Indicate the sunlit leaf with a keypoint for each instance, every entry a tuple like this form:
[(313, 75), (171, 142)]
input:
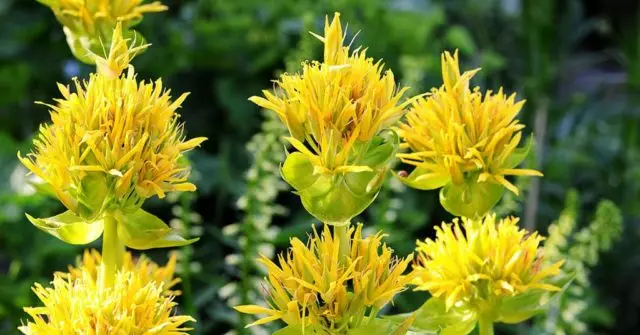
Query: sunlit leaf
[(69, 227), (524, 306), (470, 199), (141, 230)]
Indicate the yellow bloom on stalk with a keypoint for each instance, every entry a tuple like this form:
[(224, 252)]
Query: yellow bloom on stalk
[(311, 288), (465, 141), (88, 24), (337, 111), (479, 264), (113, 142), (146, 270), (133, 306)]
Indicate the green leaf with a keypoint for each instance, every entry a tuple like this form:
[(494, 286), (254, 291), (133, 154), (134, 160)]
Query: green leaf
[(462, 328), (337, 198), (421, 179), (518, 156), (521, 307), (382, 149), (433, 316), (69, 227), (460, 38), (92, 192), (141, 230), (382, 327), (471, 199), (297, 330), (79, 46), (297, 170)]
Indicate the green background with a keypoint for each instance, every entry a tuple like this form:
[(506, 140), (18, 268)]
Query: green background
[(576, 62)]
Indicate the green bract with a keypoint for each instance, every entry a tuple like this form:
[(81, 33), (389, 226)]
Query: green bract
[(471, 199), (336, 198), (433, 317), (372, 327), (137, 230)]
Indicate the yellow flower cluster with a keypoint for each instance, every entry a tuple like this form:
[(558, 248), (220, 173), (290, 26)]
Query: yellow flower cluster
[(476, 263), (88, 24), (458, 135), (135, 305), (311, 287), (337, 106), (145, 269), (113, 142)]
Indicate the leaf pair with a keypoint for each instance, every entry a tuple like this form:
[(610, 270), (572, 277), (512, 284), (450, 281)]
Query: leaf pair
[(137, 230), (374, 327), (433, 317)]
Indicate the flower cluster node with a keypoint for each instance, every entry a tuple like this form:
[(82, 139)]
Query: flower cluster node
[(113, 142), (464, 142), (477, 263), (311, 287), (137, 304), (338, 112)]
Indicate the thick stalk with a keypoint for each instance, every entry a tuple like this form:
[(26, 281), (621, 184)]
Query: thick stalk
[(112, 252), (341, 232), (485, 326)]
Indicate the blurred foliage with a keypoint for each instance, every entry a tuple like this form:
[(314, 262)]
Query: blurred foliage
[(577, 59), (580, 249)]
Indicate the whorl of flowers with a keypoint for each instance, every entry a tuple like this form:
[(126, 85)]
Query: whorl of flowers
[(337, 111), (311, 287), (476, 263), (134, 305), (146, 270), (88, 24), (464, 140), (113, 142)]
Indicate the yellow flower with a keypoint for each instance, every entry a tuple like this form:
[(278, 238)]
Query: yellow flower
[(477, 263), (146, 270), (333, 105), (462, 138), (88, 23), (336, 112), (311, 287), (133, 306), (113, 142)]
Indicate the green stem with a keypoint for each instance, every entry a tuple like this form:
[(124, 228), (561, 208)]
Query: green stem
[(112, 252), (485, 326), (341, 232)]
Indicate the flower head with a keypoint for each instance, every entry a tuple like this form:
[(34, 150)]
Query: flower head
[(88, 24), (134, 305), (337, 112), (479, 263), (465, 141), (146, 270), (112, 143), (311, 287)]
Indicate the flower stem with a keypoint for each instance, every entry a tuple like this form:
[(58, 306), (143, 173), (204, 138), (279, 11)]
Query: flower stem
[(341, 232), (486, 326), (112, 252)]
